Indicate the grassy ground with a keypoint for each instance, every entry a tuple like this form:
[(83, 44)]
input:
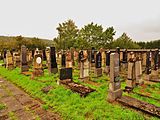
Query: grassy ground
[(70, 105)]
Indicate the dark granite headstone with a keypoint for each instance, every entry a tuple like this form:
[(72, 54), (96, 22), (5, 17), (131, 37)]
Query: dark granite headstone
[(44, 55), (98, 60), (125, 56), (53, 64), (156, 59), (92, 55), (148, 62), (63, 60), (108, 58), (80, 55), (65, 73)]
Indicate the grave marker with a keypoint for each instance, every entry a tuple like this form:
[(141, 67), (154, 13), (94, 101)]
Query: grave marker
[(114, 85), (98, 65), (9, 60), (24, 64), (107, 69)]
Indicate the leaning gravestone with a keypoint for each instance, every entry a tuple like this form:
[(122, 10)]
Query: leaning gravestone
[(37, 67), (53, 63), (9, 61), (98, 67), (131, 78), (84, 67), (107, 62), (115, 84), (24, 64)]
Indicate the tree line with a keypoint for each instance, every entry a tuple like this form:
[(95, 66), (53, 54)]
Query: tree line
[(70, 36)]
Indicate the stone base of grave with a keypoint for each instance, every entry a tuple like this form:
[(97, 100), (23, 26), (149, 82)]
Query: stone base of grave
[(113, 95), (131, 83), (107, 69), (24, 68), (54, 70), (37, 73), (98, 72), (84, 79), (17, 64)]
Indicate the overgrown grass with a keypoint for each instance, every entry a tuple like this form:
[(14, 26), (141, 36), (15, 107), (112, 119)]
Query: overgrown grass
[(70, 105), (2, 106)]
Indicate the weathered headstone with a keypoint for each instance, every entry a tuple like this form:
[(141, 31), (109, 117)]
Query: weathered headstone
[(84, 66), (131, 78), (53, 63), (138, 71), (44, 55), (107, 69), (92, 57), (9, 60), (24, 64), (16, 59), (98, 65), (37, 67), (115, 84), (80, 56), (68, 59)]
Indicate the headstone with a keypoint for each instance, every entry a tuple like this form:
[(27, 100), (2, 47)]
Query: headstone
[(44, 55), (92, 57), (148, 65), (138, 71), (114, 85), (124, 60), (48, 57), (98, 65), (84, 66), (144, 58), (37, 67), (4, 57), (80, 56), (53, 64), (24, 64), (72, 56), (107, 69), (131, 78), (68, 60), (65, 73), (16, 59), (63, 60), (9, 61)]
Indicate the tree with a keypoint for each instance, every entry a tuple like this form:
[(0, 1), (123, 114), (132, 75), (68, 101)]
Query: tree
[(124, 42), (67, 35)]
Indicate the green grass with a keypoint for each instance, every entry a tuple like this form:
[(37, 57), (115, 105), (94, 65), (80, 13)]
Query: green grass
[(2, 106), (70, 105)]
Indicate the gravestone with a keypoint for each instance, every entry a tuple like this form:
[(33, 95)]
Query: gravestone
[(115, 84), (9, 60), (65, 73), (98, 65), (92, 57), (47, 57), (68, 60), (131, 78), (53, 63), (44, 55), (72, 56), (37, 67), (124, 59), (148, 65), (138, 70), (144, 58), (107, 69), (63, 60), (16, 59), (24, 64), (80, 56), (155, 71), (4, 57), (84, 66)]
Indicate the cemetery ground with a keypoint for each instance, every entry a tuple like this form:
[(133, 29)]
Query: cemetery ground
[(66, 104)]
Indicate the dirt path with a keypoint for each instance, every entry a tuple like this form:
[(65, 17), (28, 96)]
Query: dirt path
[(21, 106)]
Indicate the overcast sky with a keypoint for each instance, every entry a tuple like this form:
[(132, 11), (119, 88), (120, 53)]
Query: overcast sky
[(140, 19)]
